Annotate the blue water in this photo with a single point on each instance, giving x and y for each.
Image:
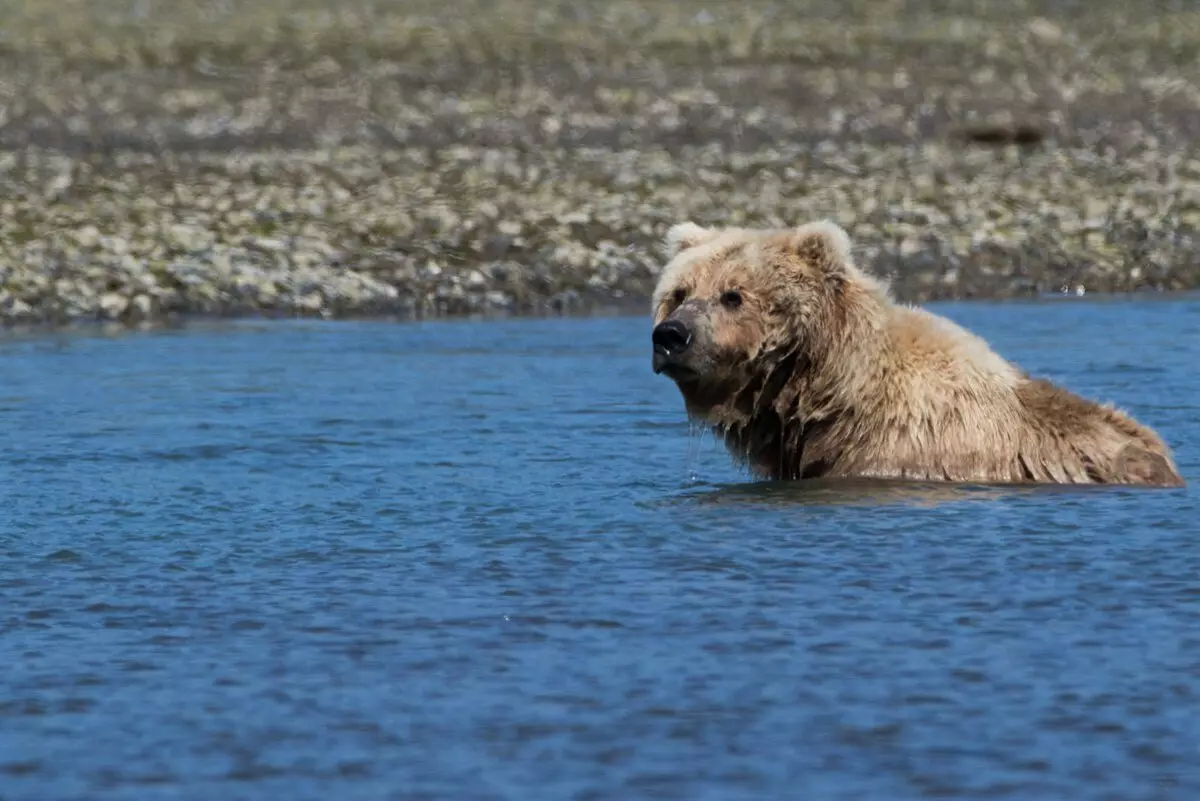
(487, 560)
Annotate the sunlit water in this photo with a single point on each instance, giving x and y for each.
(486, 560)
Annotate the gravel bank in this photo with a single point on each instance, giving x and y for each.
(288, 157)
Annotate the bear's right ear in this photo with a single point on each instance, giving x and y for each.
(684, 235)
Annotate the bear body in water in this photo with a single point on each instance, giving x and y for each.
(805, 367)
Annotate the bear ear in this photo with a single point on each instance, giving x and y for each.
(684, 235)
(824, 245)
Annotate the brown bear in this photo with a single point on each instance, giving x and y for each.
(805, 367)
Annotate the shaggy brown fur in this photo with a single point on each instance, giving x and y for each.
(805, 367)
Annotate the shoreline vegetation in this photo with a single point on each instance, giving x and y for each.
(296, 158)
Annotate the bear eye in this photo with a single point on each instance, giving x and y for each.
(679, 295)
(731, 299)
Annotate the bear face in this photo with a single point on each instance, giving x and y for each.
(734, 306)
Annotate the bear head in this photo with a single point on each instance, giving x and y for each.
(748, 318)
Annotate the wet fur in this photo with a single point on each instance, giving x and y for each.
(820, 374)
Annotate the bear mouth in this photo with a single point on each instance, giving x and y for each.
(675, 371)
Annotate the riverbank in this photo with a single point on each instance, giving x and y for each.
(298, 159)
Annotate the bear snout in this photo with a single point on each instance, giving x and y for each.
(671, 339)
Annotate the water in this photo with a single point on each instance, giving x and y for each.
(464, 560)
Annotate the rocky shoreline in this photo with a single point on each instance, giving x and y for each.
(288, 167)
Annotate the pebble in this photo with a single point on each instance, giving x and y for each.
(189, 238)
(113, 305)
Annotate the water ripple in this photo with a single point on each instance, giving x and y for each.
(363, 561)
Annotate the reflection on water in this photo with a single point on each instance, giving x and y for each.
(870, 492)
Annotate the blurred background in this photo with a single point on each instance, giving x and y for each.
(434, 157)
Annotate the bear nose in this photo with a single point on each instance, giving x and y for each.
(671, 337)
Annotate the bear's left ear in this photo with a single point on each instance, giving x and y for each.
(824, 245)
(684, 235)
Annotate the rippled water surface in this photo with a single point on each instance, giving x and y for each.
(486, 560)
